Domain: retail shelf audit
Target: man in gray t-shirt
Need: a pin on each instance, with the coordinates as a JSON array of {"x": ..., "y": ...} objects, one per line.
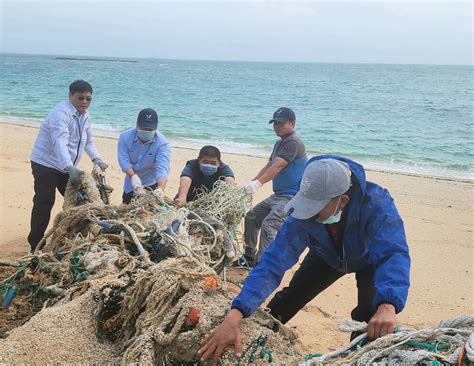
[{"x": 285, "y": 169}]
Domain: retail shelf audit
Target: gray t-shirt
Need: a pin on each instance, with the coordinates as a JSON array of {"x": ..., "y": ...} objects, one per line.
[{"x": 290, "y": 148}]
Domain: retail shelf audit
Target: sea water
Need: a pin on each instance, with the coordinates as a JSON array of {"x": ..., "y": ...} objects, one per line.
[{"x": 407, "y": 118}]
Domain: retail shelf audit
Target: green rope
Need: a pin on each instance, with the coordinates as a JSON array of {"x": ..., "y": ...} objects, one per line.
[
  {"x": 252, "y": 349},
  {"x": 312, "y": 355},
  {"x": 430, "y": 347},
  {"x": 431, "y": 363},
  {"x": 266, "y": 353}
]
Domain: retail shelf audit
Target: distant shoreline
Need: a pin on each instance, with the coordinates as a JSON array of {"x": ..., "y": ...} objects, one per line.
[
  {"x": 114, "y": 136},
  {"x": 339, "y": 62},
  {"x": 94, "y": 59}
]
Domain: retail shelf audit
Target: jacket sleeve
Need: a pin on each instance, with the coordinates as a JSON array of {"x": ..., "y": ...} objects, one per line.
[
  {"x": 389, "y": 253},
  {"x": 60, "y": 138},
  {"x": 90, "y": 147},
  {"x": 123, "y": 155},
  {"x": 282, "y": 254},
  {"x": 163, "y": 160}
]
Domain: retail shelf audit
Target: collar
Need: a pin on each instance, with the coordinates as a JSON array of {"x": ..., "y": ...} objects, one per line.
[{"x": 73, "y": 109}]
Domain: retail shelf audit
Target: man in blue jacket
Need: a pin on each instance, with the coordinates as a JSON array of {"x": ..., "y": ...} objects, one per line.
[{"x": 349, "y": 225}]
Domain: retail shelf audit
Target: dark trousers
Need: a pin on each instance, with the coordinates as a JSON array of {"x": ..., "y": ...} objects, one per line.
[
  {"x": 127, "y": 197},
  {"x": 46, "y": 182},
  {"x": 314, "y": 276}
]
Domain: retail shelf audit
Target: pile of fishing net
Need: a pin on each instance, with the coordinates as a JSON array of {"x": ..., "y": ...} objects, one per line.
[
  {"x": 451, "y": 342},
  {"x": 140, "y": 283}
]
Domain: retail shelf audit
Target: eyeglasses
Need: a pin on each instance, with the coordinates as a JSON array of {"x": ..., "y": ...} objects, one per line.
[{"x": 81, "y": 98}]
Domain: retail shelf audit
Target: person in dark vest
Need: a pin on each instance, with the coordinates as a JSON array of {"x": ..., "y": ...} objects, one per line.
[{"x": 200, "y": 174}]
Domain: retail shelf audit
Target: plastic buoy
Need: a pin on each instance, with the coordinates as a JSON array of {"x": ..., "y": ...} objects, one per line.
[
  {"x": 193, "y": 315},
  {"x": 210, "y": 283}
]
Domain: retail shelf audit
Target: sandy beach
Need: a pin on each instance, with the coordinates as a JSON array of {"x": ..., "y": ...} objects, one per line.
[{"x": 438, "y": 216}]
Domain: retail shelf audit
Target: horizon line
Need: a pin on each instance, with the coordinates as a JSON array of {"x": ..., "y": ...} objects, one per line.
[{"x": 91, "y": 58}]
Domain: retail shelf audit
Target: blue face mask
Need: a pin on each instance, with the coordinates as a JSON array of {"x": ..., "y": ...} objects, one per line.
[
  {"x": 145, "y": 136},
  {"x": 208, "y": 169},
  {"x": 335, "y": 217},
  {"x": 332, "y": 219}
]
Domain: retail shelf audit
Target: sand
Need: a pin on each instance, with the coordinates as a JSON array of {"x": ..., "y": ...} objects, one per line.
[{"x": 438, "y": 214}]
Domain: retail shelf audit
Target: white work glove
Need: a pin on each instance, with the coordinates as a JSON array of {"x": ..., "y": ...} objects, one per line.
[
  {"x": 252, "y": 186},
  {"x": 74, "y": 175},
  {"x": 102, "y": 165},
  {"x": 159, "y": 192},
  {"x": 136, "y": 184}
]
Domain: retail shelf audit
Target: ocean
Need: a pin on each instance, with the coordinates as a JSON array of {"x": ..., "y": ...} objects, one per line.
[{"x": 405, "y": 118}]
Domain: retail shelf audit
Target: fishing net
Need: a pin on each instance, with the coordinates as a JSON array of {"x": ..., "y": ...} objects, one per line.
[
  {"x": 451, "y": 342},
  {"x": 151, "y": 274}
]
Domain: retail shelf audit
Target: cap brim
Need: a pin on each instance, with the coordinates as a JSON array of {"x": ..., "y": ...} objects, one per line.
[
  {"x": 303, "y": 208},
  {"x": 282, "y": 120}
]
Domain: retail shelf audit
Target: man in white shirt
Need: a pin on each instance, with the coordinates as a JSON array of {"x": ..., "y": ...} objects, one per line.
[{"x": 62, "y": 139}]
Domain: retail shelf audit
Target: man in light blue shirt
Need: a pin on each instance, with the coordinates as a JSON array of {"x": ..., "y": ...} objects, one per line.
[
  {"x": 61, "y": 140},
  {"x": 144, "y": 156}
]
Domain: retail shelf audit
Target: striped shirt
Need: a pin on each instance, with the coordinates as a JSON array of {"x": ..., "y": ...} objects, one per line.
[
  {"x": 63, "y": 137},
  {"x": 150, "y": 161}
]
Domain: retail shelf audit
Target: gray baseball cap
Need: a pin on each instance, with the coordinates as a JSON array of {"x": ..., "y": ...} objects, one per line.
[{"x": 322, "y": 181}]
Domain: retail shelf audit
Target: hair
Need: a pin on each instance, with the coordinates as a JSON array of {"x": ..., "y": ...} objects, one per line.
[
  {"x": 211, "y": 151},
  {"x": 80, "y": 86}
]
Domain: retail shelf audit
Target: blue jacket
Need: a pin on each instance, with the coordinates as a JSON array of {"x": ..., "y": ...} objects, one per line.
[{"x": 373, "y": 236}]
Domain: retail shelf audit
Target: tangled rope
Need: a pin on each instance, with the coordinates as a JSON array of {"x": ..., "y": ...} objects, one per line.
[
  {"x": 447, "y": 342},
  {"x": 154, "y": 269}
]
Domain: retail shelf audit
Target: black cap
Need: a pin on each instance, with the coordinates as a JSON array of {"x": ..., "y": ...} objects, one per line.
[
  {"x": 283, "y": 115},
  {"x": 147, "y": 118}
]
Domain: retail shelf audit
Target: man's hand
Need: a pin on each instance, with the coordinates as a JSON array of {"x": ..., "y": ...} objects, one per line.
[
  {"x": 252, "y": 186},
  {"x": 100, "y": 164},
  {"x": 225, "y": 335},
  {"x": 136, "y": 184},
  {"x": 159, "y": 192},
  {"x": 382, "y": 322},
  {"x": 74, "y": 175},
  {"x": 179, "y": 201}
]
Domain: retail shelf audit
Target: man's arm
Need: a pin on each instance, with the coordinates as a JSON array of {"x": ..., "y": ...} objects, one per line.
[
  {"x": 90, "y": 148},
  {"x": 389, "y": 252},
  {"x": 124, "y": 157},
  {"x": 273, "y": 170},
  {"x": 263, "y": 170},
  {"x": 269, "y": 172},
  {"x": 228, "y": 174},
  {"x": 162, "y": 161},
  {"x": 282, "y": 254},
  {"x": 184, "y": 186}
]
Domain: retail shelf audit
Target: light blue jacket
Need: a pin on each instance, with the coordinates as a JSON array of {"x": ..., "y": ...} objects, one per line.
[{"x": 374, "y": 236}]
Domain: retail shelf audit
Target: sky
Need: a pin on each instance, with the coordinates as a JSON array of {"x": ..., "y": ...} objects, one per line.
[{"x": 405, "y": 32}]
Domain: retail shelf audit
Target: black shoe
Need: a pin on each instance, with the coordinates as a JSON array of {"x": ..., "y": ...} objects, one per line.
[{"x": 244, "y": 262}]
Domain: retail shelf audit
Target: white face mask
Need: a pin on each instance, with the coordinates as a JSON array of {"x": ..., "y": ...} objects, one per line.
[{"x": 335, "y": 217}]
